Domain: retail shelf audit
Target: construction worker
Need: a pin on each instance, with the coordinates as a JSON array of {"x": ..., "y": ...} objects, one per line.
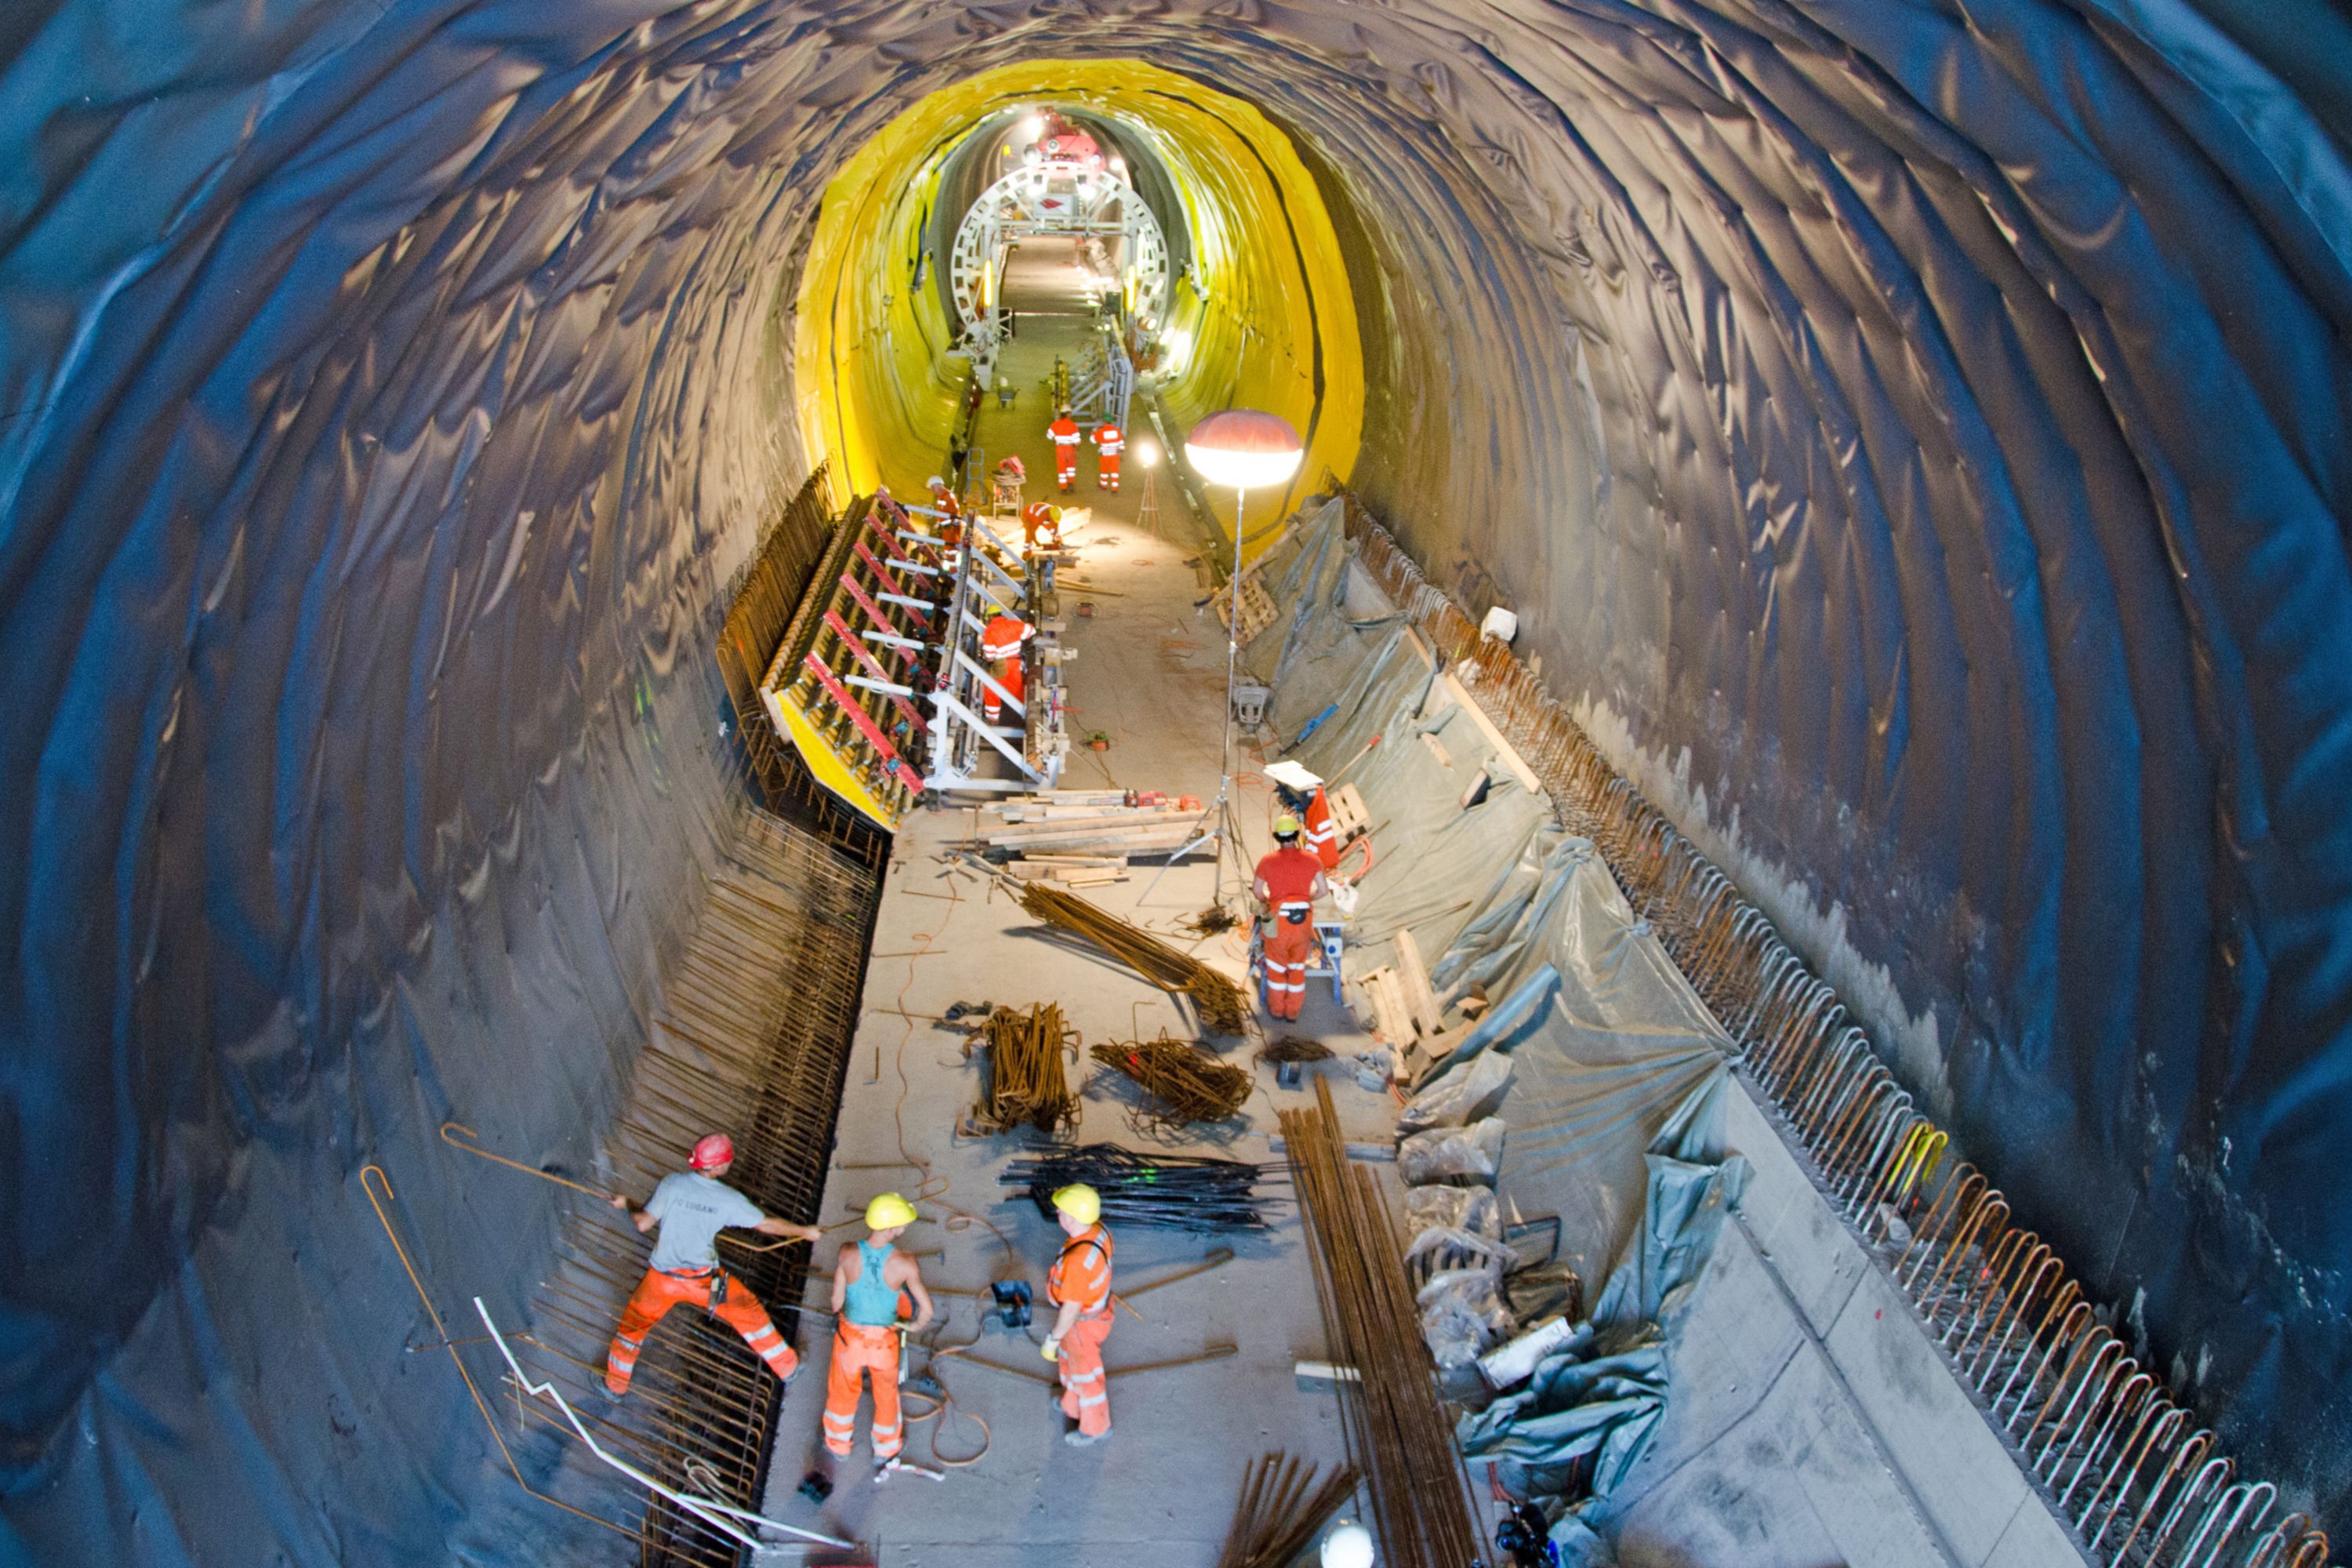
[
  {"x": 1302, "y": 795},
  {"x": 1041, "y": 528},
  {"x": 1079, "y": 1284},
  {"x": 1000, "y": 642},
  {"x": 1063, "y": 433},
  {"x": 1109, "y": 442},
  {"x": 868, "y": 1280},
  {"x": 1288, "y": 882},
  {"x": 943, "y": 499},
  {"x": 692, "y": 1207}
]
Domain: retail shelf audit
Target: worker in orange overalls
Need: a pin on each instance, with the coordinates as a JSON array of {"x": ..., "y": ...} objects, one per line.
[
  {"x": 1079, "y": 1284},
  {"x": 951, "y": 519},
  {"x": 692, "y": 1208},
  {"x": 1063, "y": 433},
  {"x": 1288, "y": 882},
  {"x": 1041, "y": 528},
  {"x": 1000, "y": 643},
  {"x": 867, "y": 1279},
  {"x": 1109, "y": 444},
  {"x": 1302, "y": 795}
]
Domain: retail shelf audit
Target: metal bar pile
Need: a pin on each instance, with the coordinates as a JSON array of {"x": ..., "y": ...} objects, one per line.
[
  {"x": 1223, "y": 1009},
  {"x": 1108, "y": 824},
  {"x": 2113, "y": 1451},
  {"x": 1194, "y": 1192},
  {"x": 1282, "y": 1510},
  {"x": 1026, "y": 1084},
  {"x": 752, "y": 1036},
  {"x": 1182, "y": 1083},
  {"x": 1397, "y": 1429}
]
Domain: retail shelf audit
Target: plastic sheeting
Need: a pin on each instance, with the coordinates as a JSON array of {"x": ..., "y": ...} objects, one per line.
[{"x": 1915, "y": 430}]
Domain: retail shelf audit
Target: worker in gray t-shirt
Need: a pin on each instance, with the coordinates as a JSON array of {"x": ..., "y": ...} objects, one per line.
[{"x": 691, "y": 1207}]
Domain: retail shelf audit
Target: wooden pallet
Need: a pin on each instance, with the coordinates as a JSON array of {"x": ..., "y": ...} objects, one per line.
[{"x": 1258, "y": 608}]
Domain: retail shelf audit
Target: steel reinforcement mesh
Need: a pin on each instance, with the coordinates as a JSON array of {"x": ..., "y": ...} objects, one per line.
[{"x": 753, "y": 1037}]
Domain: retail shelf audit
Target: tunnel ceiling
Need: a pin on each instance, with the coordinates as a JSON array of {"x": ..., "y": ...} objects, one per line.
[{"x": 1912, "y": 434}]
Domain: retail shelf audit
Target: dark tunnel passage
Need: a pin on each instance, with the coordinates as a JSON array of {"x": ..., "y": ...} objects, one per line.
[{"x": 1914, "y": 436}]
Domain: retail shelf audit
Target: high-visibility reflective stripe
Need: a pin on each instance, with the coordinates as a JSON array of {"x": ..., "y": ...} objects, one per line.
[
  {"x": 1089, "y": 1403},
  {"x": 1094, "y": 1376},
  {"x": 884, "y": 1434},
  {"x": 756, "y": 1335},
  {"x": 624, "y": 1367}
]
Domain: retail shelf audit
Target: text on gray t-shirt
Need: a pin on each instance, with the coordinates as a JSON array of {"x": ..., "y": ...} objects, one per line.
[{"x": 693, "y": 1209}]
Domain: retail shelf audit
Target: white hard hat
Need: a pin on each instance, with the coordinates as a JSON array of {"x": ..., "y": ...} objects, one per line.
[
  {"x": 1349, "y": 1545},
  {"x": 935, "y": 483}
]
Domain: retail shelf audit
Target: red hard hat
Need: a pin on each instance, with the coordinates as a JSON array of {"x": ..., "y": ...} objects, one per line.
[{"x": 716, "y": 1150}]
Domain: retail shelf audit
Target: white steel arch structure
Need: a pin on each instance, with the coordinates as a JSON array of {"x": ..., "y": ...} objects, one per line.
[{"x": 1052, "y": 198}]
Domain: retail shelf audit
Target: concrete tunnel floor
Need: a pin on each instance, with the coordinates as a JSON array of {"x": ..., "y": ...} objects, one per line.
[{"x": 1151, "y": 670}]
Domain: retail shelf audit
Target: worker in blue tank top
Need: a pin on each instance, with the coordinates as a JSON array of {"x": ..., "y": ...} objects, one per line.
[{"x": 868, "y": 1279}]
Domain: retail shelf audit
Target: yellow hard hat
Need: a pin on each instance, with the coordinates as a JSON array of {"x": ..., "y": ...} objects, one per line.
[
  {"x": 1286, "y": 826},
  {"x": 1080, "y": 1202},
  {"x": 888, "y": 1210}
]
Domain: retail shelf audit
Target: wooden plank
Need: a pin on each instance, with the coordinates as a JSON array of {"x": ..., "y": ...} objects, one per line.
[
  {"x": 1420, "y": 1000},
  {"x": 1391, "y": 1020},
  {"x": 1348, "y": 813},
  {"x": 1505, "y": 752}
]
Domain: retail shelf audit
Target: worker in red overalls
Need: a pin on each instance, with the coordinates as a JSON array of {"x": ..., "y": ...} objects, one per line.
[
  {"x": 950, "y": 520},
  {"x": 1079, "y": 1286},
  {"x": 1041, "y": 528},
  {"x": 692, "y": 1208},
  {"x": 1000, "y": 642},
  {"x": 1302, "y": 795},
  {"x": 1063, "y": 433},
  {"x": 1288, "y": 882},
  {"x": 1109, "y": 442}
]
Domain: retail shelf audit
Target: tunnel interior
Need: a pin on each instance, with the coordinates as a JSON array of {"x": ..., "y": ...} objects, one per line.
[{"x": 1911, "y": 436}]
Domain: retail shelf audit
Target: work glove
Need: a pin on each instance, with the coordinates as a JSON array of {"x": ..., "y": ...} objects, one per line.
[{"x": 1051, "y": 1350}]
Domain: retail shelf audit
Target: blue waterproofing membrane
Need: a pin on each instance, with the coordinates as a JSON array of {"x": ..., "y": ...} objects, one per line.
[{"x": 1921, "y": 424}]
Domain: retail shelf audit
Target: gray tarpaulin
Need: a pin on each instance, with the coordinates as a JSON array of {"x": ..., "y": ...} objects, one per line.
[{"x": 1616, "y": 1066}]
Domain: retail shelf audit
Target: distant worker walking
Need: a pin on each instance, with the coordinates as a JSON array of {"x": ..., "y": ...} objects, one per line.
[
  {"x": 1063, "y": 433},
  {"x": 1000, "y": 643},
  {"x": 1109, "y": 442},
  {"x": 1288, "y": 882},
  {"x": 1079, "y": 1284},
  {"x": 867, "y": 1279},
  {"x": 692, "y": 1207}
]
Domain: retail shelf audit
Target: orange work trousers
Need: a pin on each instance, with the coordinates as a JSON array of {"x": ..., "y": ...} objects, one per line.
[
  {"x": 860, "y": 1352},
  {"x": 1289, "y": 948},
  {"x": 1106, "y": 471},
  {"x": 1009, "y": 675},
  {"x": 1085, "y": 1388},
  {"x": 657, "y": 1293}
]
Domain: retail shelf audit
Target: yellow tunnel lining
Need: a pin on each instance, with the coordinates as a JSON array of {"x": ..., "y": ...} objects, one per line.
[{"x": 878, "y": 397}]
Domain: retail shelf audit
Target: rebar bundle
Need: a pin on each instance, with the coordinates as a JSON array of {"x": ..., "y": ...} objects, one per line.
[
  {"x": 1173, "y": 1192},
  {"x": 1222, "y": 1008},
  {"x": 1282, "y": 1508},
  {"x": 1024, "y": 1083},
  {"x": 1396, "y": 1427},
  {"x": 1180, "y": 1082},
  {"x": 1288, "y": 1050}
]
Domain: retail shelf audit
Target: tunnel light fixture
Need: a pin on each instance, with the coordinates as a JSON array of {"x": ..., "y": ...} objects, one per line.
[
  {"x": 1147, "y": 454},
  {"x": 1247, "y": 450}
]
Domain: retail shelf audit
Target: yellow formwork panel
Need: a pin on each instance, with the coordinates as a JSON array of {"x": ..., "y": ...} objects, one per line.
[
  {"x": 880, "y": 400},
  {"x": 824, "y": 764}
]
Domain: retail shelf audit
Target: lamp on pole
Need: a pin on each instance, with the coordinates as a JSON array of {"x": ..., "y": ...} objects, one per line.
[{"x": 1248, "y": 450}]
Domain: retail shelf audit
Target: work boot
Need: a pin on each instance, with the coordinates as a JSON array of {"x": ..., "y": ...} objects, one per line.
[{"x": 1085, "y": 1440}]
